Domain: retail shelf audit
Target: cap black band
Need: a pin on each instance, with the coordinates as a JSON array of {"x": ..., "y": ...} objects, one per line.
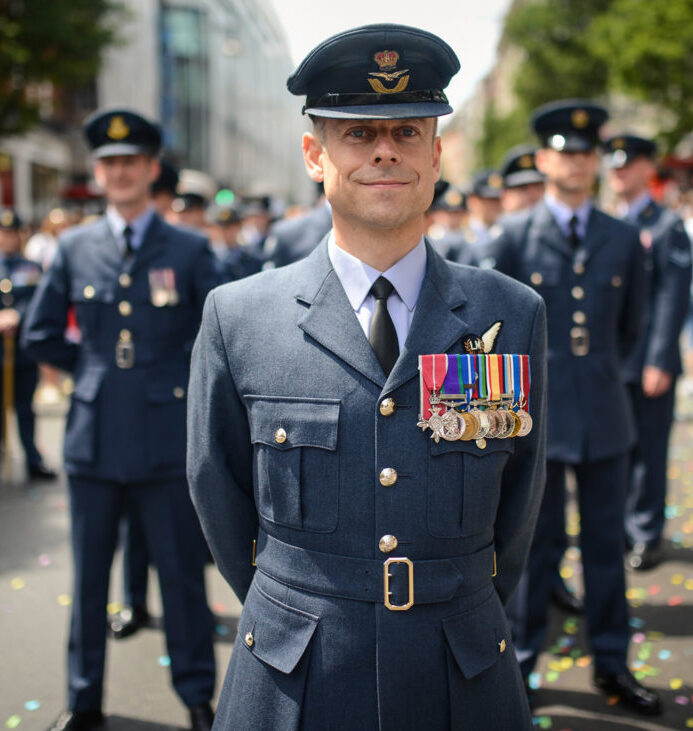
[{"x": 327, "y": 101}]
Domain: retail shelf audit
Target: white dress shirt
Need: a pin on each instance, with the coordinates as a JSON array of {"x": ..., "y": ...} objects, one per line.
[
  {"x": 563, "y": 213},
  {"x": 357, "y": 278}
]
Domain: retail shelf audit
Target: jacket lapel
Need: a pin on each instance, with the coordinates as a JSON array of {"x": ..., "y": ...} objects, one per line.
[
  {"x": 110, "y": 254},
  {"x": 546, "y": 231},
  {"x": 596, "y": 235}
]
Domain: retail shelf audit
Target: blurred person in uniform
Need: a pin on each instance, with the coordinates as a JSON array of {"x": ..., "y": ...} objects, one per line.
[
  {"x": 523, "y": 184},
  {"x": 652, "y": 371},
  {"x": 484, "y": 206},
  {"x": 256, "y": 217},
  {"x": 42, "y": 245},
  {"x": 375, "y": 603},
  {"x": 19, "y": 278},
  {"x": 195, "y": 191},
  {"x": 445, "y": 222},
  {"x": 238, "y": 260},
  {"x": 164, "y": 190},
  {"x": 589, "y": 268},
  {"x": 293, "y": 239},
  {"x": 138, "y": 285}
]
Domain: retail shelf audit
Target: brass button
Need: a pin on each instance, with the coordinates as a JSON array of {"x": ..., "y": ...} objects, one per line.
[
  {"x": 388, "y": 477},
  {"x": 6, "y": 286},
  {"x": 387, "y": 407},
  {"x": 579, "y": 267},
  {"x": 481, "y": 443},
  {"x": 125, "y": 335},
  {"x": 578, "y": 293},
  {"x": 125, "y": 308},
  {"x": 249, "y": 639},
  {"x": 125, "y": 280},
  {"x": 536, "y": 278},
  {"x": 179, "y": 392},
  {"x": 387, "y": 544},
  {"x": 579, "y": 317},
  {"x": 616, "y": 281},
  {"x": 89, "y": 292},
  {"x": 501, "y": 646},
  {"x": 280, "y": 436}
]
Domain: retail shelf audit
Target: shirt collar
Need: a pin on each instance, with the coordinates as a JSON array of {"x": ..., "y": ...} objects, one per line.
[
  {"x": 638, "y": 206},
  {"x": 138, "y": 225},
  {"x": 357, "y": 277},
  {"x": 563, "y": 213}
]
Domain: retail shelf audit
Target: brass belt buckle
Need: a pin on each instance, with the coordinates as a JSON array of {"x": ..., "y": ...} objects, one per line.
[
  {"x": 387, "y": 576},
  {"x": 125, "y": 354},
  {"x": 579, "y": 341}
]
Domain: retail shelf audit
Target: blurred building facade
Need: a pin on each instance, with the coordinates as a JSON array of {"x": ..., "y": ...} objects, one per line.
[{"x": 213, "y": 72}]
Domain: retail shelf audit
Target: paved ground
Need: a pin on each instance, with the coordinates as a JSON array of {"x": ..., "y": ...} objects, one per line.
[{"x": 35, "y": 599}]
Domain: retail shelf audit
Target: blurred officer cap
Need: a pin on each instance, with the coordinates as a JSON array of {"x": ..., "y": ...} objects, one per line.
[
  {"x": 487, "y": 184},
  {"x": 195, "y": 189},
  {"x": 121, "y": 132},
  {"x": 167, "y": 182},
  {"x": 518, "y": 167},
  {"x": 9, "y": 220},
  {"x": 447, "y": 198},
  {"x": 256, "y": 206},
  {"x": 569, "y": 125},
  {"x": 623, "y": 149},
  {"x": 227, "y": 216},
  {"x": 380, "y": 71}
]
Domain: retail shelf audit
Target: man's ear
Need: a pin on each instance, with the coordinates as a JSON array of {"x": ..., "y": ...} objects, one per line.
[
  {"x": 437, "y": 152},
  {"x": 312, "y": 156}
]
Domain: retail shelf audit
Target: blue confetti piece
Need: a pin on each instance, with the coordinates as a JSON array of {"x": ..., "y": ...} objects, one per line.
[
  {"x": 664, "y": 654},
  {"x": 221, "y": 629},
  {"x": 636, "y": 622},
  {"x": 671, "y": 511},
  {"x": 32, "y": 705},
  {"x": 534, "y": 681},
  {"x": 164, "y": 661}
]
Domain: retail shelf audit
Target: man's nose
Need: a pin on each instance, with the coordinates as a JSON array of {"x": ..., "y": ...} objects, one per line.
[{"x": 385, "y": 150}]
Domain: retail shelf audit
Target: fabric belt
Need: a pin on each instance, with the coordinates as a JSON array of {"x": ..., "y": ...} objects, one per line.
[{"x": 363, "y": 579}]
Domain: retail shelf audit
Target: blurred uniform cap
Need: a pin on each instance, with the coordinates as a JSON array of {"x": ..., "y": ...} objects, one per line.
[
  {"x": 447, "y": 197},
  {"x": 167, "y": 182},
  {"x": 9, "y": 220},
  {"x": 623, "y": 149},
  {"x": 487, "y": 184},
  {"x": 380, "y": 71},
  {"x": 519, "y": 168},
  {"x": 227, "y": 216},
  {"x": 195, "y": 189},
  {"x": 569, "y": 125},
  {"x": 121, "y": 132}
]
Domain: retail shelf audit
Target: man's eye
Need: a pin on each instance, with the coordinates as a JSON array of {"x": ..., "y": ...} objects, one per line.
[
  {"x": 408, "y": 132},
  {"x": 357, "y": 132}
]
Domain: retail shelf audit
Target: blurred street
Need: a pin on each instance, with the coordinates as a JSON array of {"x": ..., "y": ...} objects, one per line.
[{"x": 35, "y": 597}]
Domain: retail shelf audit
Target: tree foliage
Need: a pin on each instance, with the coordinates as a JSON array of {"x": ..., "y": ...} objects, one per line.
[{"x": 57, "y": 41}]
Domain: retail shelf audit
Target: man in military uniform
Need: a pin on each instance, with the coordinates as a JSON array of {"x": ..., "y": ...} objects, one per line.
[
  {"x": 445, "y": 223},
  {"x": 523, "y": 184},
  {"x": 651, "y": 373},
  {"x": 237, "y": 260},
  {"x": 375, "y": 603},
  {"x": 138, "y": 286},
  {"x": 589, "y": 269},
  {"x": 484, "y": 205},
  {"x": 18, "y": 280}
]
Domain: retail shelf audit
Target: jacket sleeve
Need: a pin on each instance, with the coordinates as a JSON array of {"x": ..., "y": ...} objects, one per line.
[
  {"x": 43, "y": 328},
  {"x": 219, "y": 453},
  {"x": 522, "y": 486},
  {"x": 672, "y": 279},
  {"x": 632, "y": 317},
  {"x": 206, "y": 275},
  {"x": 499, "y": 254}
]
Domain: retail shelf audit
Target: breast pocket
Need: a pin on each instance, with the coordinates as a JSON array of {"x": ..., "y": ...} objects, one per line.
[
  {"x": 296, "y": 462},
  {"x": 464, "y": 486},
  {"x": 89, "y": 296},
  {"x": 165, "y": 393}
]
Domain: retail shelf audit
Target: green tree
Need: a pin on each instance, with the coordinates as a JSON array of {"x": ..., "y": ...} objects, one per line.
[
  {"x": 499, "y": 134},
  {"x": 57, "y": 41}
]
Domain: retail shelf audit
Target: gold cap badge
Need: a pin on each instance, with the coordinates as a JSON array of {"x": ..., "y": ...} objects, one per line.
[
  {"x": 495, "y": 181},
  {"x": 387, "y": 63},
  {"x": 7, "y": 218},
  {"x": 525, "y": 162},
  {"x": 117, "y": 129},
  {"x": 453, "y": 198},
  {"x": 580, "y": 118},
  {"x": 619, "y": 143}
]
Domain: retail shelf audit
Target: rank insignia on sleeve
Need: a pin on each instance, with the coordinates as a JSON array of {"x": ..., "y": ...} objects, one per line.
[{"x": 474, "y": 396}]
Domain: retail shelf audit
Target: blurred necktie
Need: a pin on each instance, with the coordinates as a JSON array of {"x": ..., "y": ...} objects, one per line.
[
  {"x": 382, "y": 335},
  {"x": 574, "y": 236},
  {"x": 127, "y": 235}
]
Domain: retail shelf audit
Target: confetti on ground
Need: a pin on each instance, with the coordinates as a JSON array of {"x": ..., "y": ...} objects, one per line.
[
  {"x": 64, "y": 600},
  {"x": 164, "y": 661},
  {"x": 32, "y": 705},
  {"x": 534, "y": 681},
  {"x": 17, "y": 583},
  {"x": 677, "y": 579},
  {"x": 114, "y": 607},
  {"x": 45, "y": 560},
  {"x": 664, "y": 654},
  {"x": 13, "y": 721},
  {"x": 221, "y": 629},
  {"x": 675, "y": 683},
  {"x": 551, "y": 676},
  {"x": 681, "y": 700}
]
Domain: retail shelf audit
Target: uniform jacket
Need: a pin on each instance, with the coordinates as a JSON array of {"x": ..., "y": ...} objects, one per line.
[
  {"x": 283, "y": 350},
  {"x": 597, "y": 295},
  {"x": 668, "y": 258},
  {"x": 19, "y": 278},
  {"x": 292, "y": 239},
  {"x": 125, "y": 424}
]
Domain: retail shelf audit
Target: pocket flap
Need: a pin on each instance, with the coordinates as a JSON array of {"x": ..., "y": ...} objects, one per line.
[
  {"x": 88, "y": 384},
  {"x": 84, "y": 290},
  {"x": 163, "y": 390},
  {"x": 305, "y": 422},
  {"x": 475, "y": 637},
  {"x": 492, "y": 446},
  {"x": 274, "y": 632}
]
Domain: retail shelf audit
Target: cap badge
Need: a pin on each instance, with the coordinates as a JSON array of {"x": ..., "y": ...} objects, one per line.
[
  {"x": 7, "y": 218},
  {"x": 453, "y": 198},
  {"x": 525, "y": 161},
  {"x": 580, "y": 118},
  {"x": 387, "y": 62},
  {"x": 619, "y": 143},
  {"x": 117, "y": 129},
  {"x": 495, "y": 181}
]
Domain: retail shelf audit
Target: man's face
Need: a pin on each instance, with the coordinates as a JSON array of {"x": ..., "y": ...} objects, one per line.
[
  {"x": 521, "y": 197},
  {"x": 633, "y": 178},
  {"x": 486, "y": 210},
  {"x": 377, "y": 173},
  {"x": 570, "y": 172},
  {"x": 10, "y": 241},
  {"x": 126, "y": 178}
]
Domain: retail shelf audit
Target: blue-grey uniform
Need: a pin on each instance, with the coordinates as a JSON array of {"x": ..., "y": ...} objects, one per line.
[
  {"x": 594, "y": 288},
  {"x": 19, "y": 278},
  {"x": 300, "y": 441},
  {"x": 292, "y": 239},
  {"x": 138, "y": 310}
]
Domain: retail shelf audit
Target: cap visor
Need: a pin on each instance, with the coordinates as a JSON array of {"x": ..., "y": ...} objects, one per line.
[
  {"x": 120, "y": 148},
  {"x": 574, "y": 143},
  {"x": 383, "y": 111},
  {"x": 524, "y": 177}
]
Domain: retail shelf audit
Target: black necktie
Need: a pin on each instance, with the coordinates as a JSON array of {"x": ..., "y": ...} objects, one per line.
[
  {"x": 382, "y": 335},
  {"x": 127, "y": 235},
  {"x": 573, "y": 236}
]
